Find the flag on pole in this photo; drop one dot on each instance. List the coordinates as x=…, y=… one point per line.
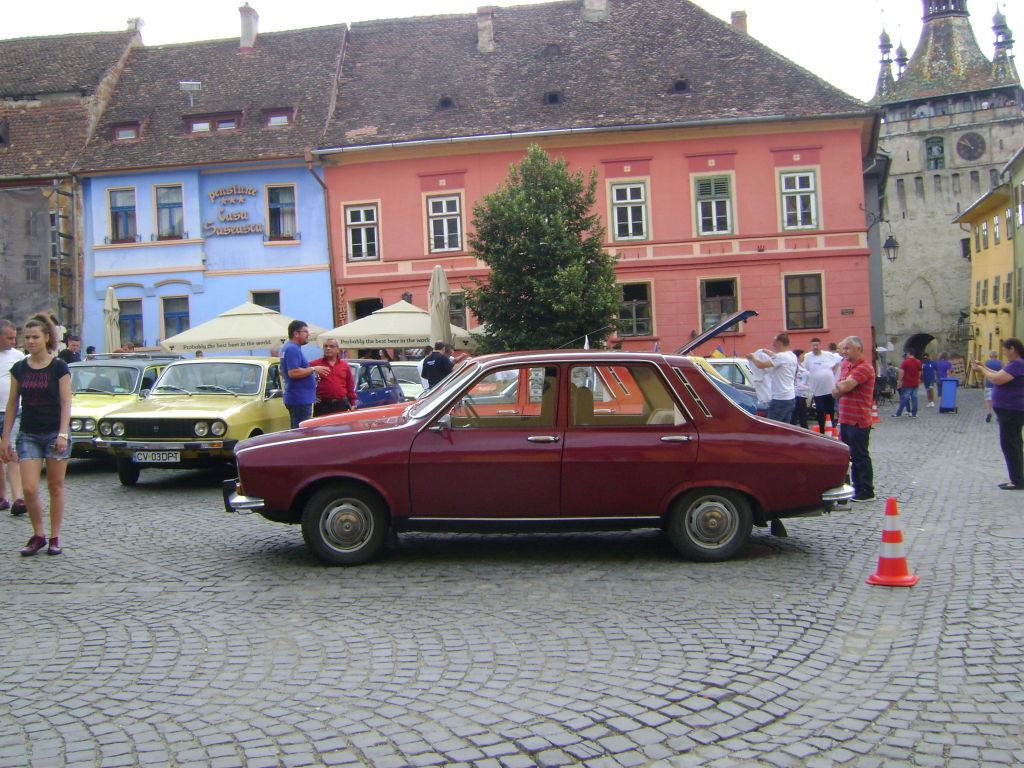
x=718, y=351
x=586, y=342
x=657, y=346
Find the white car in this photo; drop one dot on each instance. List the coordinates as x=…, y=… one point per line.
x=408, y=375
x=735, y=369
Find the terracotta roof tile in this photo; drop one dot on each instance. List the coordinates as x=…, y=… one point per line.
x=615, y=72
x=45, y=137
x=33, y=66
x=291, y=70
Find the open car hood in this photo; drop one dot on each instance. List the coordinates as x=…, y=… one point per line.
x=731, y=321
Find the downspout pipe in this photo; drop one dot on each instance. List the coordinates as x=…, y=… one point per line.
x=308, y=156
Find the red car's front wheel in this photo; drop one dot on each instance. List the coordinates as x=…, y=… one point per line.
x=344, y=524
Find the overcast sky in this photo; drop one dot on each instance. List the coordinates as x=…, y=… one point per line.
x=835, y=39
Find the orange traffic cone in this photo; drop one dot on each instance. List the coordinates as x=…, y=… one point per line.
x=892, y=563
x=829, y=429
x=815, y=428
x=874, y=414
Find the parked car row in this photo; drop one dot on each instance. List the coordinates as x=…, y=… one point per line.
x=165, y=411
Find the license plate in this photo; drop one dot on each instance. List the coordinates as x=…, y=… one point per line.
x=156, y=457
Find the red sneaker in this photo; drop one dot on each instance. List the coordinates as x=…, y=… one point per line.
x=54, y=548
x=18, y=507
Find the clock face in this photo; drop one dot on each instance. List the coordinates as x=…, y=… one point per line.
x=970, y=146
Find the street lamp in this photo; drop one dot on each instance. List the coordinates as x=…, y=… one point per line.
x=891, y=248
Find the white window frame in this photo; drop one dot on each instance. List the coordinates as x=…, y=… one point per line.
x=449, y=217
x=629, y=198
x=360, y=227
x=717, y=203
x=799, y=196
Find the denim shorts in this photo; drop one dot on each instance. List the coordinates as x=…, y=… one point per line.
x=40, y=447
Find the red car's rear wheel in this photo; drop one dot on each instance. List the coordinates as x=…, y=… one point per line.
x=710, y=524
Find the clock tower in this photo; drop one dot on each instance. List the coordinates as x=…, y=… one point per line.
x=952, y=118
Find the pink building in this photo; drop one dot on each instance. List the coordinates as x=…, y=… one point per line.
x=728, y=177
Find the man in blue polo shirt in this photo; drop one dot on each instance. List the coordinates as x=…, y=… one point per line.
x=299, y=376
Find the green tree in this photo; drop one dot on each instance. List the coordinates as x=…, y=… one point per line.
x=550, y=279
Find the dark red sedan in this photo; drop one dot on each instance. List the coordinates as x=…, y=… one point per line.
x=561, y=440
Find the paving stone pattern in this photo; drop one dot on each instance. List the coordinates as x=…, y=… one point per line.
x=170, y=633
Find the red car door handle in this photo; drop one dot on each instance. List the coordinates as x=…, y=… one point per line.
x=543, y=438
x=676, y=439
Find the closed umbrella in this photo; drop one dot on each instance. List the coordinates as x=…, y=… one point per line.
x=247, y=326
x=398, y=325
x=439, y=296
x=111, y=322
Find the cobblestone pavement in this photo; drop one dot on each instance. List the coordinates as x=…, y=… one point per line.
x=170, y=633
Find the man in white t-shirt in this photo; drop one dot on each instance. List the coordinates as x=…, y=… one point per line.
x=782, y=365
x=823, y=367
x=9, y=473
x=762, y=382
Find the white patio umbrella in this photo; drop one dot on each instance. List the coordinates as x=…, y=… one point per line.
x=111, y=322
x=247, y=326
x=398, y=325
x=439, y=297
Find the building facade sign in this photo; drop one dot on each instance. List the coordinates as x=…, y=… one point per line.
x=224, y=225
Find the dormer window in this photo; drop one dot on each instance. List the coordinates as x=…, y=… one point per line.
x=446, y=102
x=552, y=98
x=552, y=49
x=125, y=132
x=277, y=118
x=682, y=85
x=204, y=124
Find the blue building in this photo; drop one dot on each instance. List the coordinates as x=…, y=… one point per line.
x=196, y=192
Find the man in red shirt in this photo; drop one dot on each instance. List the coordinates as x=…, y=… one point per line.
x=855, y=392
x=907, y=382
x=336, y=390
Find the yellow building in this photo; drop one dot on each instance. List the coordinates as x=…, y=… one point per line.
x=990, y=223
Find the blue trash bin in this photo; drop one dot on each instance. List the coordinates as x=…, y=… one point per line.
x=947, y=403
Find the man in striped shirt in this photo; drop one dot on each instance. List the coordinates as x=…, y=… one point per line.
x=855, y=393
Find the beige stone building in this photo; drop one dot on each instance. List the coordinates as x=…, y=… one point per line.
x=952, y=118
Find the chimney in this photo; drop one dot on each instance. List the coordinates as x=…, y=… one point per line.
x=485, y=28
x=595, y=10
x=250, y=21
x=739, y=21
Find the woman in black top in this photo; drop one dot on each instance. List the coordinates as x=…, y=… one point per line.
x=42, y=382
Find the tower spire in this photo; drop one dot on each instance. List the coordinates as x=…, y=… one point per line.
x=886, y=85
x=936, y=9
x=1002, y=63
